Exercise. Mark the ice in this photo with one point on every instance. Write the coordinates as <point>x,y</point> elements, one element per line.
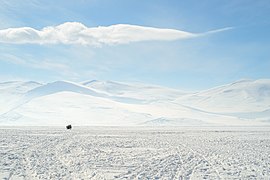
<point>135,153</point>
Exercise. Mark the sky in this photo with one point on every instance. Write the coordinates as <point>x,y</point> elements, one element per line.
<point>189,45</point>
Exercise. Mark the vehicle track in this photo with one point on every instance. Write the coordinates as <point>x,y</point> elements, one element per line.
<point>119,154</point>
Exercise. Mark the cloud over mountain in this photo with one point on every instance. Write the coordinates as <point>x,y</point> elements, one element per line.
<point>77,33</point>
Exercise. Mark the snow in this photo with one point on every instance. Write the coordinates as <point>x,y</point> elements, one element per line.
<point>12,91</point>
<point>108,103</point>
<point>149,93</point>
<point>134,131</point>
<point>240,96</point>
<point>135,153</point>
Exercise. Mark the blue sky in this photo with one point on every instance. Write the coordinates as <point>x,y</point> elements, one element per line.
<point>200,62</point>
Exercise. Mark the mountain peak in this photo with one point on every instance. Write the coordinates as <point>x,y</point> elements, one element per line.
<point>242,81</point>
<point>85,83</point>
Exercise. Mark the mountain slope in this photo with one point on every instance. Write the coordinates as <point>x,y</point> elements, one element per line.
<point>126,104</point>
<point>241,96</point>
<point>11,92</point>
<point>80,109</point>
<point>135,90</point>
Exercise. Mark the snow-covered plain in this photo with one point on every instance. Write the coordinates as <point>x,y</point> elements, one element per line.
<point>135,153</point>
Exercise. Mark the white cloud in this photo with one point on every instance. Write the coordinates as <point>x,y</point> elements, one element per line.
<point>77,33</point>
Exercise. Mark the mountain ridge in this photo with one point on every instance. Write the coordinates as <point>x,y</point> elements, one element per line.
<point>244,102</point>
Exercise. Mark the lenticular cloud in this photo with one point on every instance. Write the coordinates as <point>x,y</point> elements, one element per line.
<point>77,33</point>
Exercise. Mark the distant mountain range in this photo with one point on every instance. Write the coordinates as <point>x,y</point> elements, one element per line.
<point>99,103</point>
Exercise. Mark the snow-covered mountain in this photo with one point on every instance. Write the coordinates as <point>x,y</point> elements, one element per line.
<point>240,96</point>
<point>11,93</point>
<point>115,103</point>
<point>135,90</point>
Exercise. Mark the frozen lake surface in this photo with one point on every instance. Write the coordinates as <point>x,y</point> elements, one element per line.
<point>135,153</point>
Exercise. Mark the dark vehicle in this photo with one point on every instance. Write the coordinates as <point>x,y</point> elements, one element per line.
<point>69,126</point>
